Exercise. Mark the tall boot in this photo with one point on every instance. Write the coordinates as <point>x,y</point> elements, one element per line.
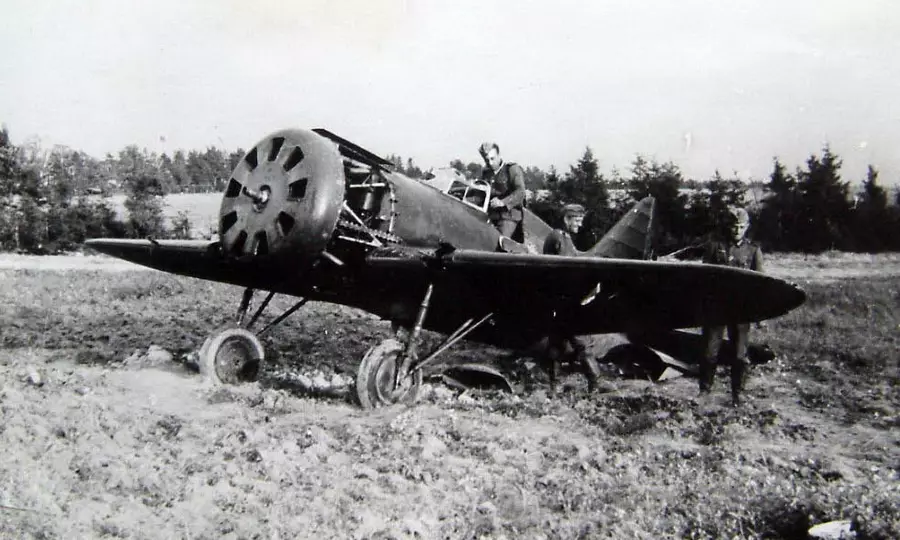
<point>707,375</point>
<point>588,364</point>
<point>553,373</point>
<point>739,371</point>
<point>591,371</point>
<point>550,364</point>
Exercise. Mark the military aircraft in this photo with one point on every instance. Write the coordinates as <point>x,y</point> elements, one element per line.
<point>309,214</point>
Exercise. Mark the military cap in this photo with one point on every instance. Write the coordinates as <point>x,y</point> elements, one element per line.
<point>573,210</point>
<point>486,147</point>
<point>740,215</point>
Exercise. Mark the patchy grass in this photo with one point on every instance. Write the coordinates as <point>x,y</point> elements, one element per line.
<point>102,449</point>
<point>843,344</point>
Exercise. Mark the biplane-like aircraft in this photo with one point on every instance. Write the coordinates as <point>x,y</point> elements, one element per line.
<point>311,215</point>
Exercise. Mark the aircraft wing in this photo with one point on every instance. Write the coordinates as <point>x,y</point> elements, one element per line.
<point>194,258</point>
<point>601,294</point>
<point>167,255</point>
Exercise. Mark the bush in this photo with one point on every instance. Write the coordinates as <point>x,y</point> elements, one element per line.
<point>144,205</point>
<point>181,226</point>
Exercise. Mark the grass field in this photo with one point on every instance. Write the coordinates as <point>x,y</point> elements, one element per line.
<point>123,445</point>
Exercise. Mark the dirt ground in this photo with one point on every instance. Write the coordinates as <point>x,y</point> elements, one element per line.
<point>107,433</point>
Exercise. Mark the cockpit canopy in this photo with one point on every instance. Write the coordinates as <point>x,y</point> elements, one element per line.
<point>475,193</point>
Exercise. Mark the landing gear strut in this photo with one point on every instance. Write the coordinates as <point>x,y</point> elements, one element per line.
<point>235,354</point>
<point>391,373</point>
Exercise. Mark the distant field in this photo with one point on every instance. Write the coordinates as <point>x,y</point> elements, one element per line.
<point>201,208</point>
<point>832,265</point>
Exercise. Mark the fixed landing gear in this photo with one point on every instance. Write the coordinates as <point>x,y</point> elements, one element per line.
<point>235,354</point>
<point>380,382</point>
<point>391,372</point>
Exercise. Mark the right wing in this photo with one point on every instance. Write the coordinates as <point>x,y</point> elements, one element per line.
<point>596,294</point>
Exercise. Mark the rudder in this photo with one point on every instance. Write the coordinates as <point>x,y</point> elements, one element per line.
<point>630,237</point>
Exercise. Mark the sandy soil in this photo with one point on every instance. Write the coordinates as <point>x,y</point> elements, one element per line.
<point>152,451</point>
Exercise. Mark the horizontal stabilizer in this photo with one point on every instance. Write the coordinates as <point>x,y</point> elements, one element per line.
<point>630,237</point>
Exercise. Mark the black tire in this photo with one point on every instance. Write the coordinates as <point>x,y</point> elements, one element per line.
<point>232,356</point>
<point>375,378</point>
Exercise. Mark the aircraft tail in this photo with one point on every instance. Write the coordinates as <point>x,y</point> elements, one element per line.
<point>630,237</point>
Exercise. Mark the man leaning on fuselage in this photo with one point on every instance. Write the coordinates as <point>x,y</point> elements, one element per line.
<point>507,181</point>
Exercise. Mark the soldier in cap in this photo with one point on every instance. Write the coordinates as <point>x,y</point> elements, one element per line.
<point>741,253</point>
<point>559,242</point>
<point>507,190</point>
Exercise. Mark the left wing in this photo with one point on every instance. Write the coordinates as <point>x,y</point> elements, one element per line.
<point>599,294</point>
<point>195,258</point>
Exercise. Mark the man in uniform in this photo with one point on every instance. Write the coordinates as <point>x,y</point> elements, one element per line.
<point>507,190</point>
<point>740,253</point>
<point>559,242</point>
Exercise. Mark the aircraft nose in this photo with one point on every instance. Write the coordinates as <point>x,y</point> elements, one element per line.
<point>284,197</point>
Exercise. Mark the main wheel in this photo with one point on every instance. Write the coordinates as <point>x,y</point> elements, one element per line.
<point>377,373</point>
<point>232,356</point>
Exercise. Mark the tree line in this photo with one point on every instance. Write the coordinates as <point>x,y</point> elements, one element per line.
<point>52,200</point>
<point>810,210</point>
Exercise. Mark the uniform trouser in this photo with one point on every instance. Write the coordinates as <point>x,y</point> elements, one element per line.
<point>507,227</point>
<point>712,338</point>
<point>557,347</point>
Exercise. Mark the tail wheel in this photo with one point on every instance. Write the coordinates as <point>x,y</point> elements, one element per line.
<point>377,373</point>
<point>232,356</point>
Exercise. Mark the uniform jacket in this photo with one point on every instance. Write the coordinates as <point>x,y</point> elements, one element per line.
<point>508,185</point>
<point>559,242</point>
<point>745,254</point>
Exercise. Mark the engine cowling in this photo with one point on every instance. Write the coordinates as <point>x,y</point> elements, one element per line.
<point>284,198</point>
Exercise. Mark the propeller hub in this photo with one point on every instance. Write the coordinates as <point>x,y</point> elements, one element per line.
<point>260,198</point>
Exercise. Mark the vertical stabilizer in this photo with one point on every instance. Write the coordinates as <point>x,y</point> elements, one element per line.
<point>630,237</point>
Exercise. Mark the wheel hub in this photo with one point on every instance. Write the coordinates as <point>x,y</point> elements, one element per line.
<point>235,361</point>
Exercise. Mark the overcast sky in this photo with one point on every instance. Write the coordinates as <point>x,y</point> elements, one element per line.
<point>707,84</point>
